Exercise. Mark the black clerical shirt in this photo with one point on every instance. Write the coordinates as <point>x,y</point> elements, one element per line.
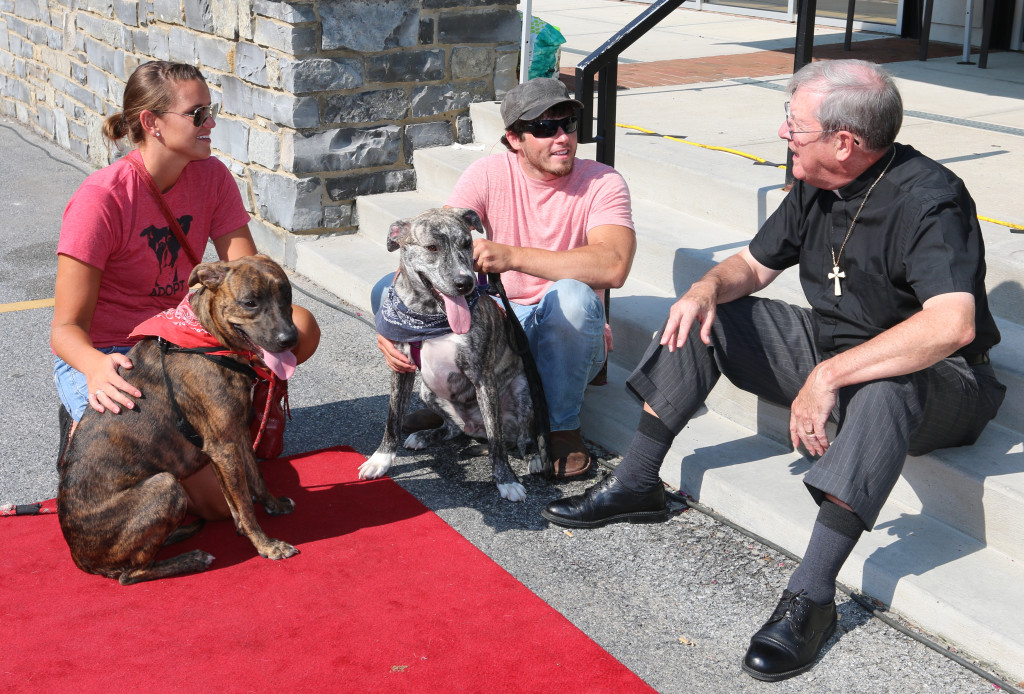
<point>916,237</point>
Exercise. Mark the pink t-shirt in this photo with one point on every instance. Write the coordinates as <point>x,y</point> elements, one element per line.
<point>554,215</point>
<point>113,223</point>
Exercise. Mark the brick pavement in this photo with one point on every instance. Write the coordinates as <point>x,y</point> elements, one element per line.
<point>660,73</point>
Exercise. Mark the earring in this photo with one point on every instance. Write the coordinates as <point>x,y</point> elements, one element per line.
<point>157,133</point>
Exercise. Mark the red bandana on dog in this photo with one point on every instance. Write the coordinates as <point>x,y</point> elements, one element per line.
<point>180,326</point>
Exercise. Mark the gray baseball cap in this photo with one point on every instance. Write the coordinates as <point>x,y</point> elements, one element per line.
<point>528,100</point>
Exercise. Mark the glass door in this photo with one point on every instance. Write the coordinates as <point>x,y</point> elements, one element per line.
<point>872,15</point>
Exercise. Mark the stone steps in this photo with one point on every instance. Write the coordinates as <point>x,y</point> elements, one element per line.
<point>935,535</point>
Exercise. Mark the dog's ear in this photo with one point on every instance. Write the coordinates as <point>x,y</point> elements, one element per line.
<point>210,275</point>
<point>471,218</point>
<point>397,234</point>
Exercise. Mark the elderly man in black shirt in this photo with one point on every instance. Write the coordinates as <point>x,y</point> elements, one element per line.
<point>894,347</point>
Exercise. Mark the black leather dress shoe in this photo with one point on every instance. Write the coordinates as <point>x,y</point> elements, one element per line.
<point>790,640</point>
<point>608,501</point>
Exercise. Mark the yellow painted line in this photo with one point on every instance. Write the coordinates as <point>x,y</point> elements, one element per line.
<point>1010,225</point>
<point>25,305</point>
<point>737,152</point>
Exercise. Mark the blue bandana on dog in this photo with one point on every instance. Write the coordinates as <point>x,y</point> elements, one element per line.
<point>397,323</point>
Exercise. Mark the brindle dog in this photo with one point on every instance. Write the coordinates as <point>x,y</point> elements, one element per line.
<point>471,376</point>
<point>119,497</point>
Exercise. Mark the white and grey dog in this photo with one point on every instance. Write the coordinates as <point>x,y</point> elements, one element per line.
<point>470,375</point>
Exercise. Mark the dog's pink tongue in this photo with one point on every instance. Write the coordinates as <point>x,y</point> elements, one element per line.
<point>281,363</point>
<point>458,314</point>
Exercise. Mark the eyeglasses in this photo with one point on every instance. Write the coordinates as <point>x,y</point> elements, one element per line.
<point>200,115</point>
<point>792,132</point>
<point>549,128</point>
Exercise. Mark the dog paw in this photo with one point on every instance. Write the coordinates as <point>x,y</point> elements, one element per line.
<point>536,466</point>
<point>278,549</point>
<point>279,506</point>
<point>376,466</point>
<point>513,491</point>
<point>415,442</point>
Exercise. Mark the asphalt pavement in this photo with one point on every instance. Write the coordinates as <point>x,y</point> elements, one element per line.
<point>675,602</point>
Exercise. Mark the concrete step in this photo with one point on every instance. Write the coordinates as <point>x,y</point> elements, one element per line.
<point>378,212</point>
<point>921,567</point>
<point>439,168</point>
<point>347,266</point>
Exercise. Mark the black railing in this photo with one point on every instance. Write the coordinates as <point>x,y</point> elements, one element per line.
<point>604,64</point>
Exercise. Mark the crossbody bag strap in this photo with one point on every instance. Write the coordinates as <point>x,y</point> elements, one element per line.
<point>140,168</point>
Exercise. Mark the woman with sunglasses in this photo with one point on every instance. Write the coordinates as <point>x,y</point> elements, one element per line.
<point>119,263</point>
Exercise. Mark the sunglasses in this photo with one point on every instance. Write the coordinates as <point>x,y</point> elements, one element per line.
<point>549,128</point>
<point>200,115</point>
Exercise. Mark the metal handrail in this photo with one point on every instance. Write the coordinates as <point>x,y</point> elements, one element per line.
<point>604,63</point>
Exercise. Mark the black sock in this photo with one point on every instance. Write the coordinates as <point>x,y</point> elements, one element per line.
<point>835,534</point>
<point>640,469</point>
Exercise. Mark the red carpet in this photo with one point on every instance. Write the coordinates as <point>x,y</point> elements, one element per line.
<point>385,597</point>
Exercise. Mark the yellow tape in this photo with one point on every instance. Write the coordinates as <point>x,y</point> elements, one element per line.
<point>738,153</point>
<point>25,305</point>
<point>1011,225</point>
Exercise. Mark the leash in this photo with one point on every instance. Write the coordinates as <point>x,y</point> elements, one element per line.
<point>516,337</point>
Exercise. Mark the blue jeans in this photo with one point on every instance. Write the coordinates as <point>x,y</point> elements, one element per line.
<point>566,334</point>
<point>71,385</point>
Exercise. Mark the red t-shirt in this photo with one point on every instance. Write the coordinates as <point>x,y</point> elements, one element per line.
<point>113,223</point>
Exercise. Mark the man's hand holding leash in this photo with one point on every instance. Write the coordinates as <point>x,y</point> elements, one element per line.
<point>489,256</point>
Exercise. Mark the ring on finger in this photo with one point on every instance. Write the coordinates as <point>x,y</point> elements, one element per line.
<point>97,393</point>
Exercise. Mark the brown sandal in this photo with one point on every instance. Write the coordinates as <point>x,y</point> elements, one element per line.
<point>570,454</point>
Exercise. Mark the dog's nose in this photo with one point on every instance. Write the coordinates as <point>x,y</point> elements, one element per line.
<point>288,338</point>
<point>464,285</point>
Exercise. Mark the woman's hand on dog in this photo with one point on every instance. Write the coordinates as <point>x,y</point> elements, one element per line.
<point>107,390</point>
<point>395,359</point>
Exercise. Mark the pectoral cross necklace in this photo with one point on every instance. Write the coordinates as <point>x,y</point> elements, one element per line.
<point>836,273</point>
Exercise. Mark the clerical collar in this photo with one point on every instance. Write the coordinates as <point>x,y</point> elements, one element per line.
<point>857,186</point>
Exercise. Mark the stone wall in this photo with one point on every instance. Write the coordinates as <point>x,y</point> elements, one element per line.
<point>323,100</point>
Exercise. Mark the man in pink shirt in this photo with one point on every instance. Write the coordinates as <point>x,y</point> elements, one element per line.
<point>560,230</point>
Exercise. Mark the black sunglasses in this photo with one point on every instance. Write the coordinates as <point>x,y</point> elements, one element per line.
<point>549,128</point>
<point>200,115</point>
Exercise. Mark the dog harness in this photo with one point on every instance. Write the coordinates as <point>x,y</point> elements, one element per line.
<point>178,330</point>
<point>396,322</point>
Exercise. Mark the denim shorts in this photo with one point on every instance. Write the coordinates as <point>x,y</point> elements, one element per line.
<point>71,384</point>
